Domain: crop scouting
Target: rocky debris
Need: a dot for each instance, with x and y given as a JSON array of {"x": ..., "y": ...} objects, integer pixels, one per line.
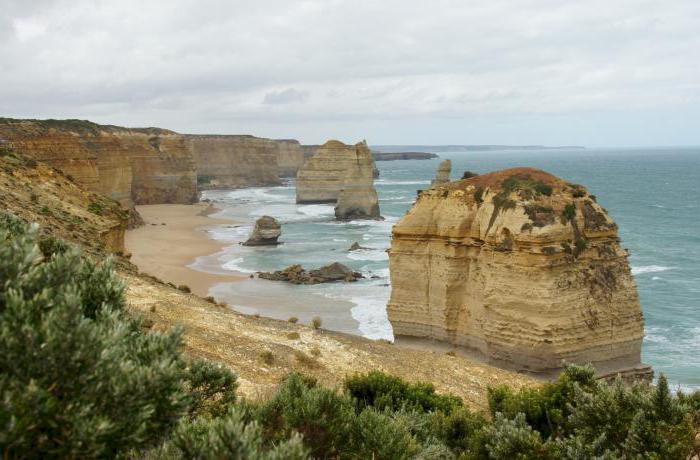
[
  {"x": 296, "y": 274},
  {"x": 520, "y": 265},
  {"x": 356, "y": 247},
  {"x": 266, "y": 232},
  {"x": 442, "y": 175},
  {"x": 333, "y": 167}
]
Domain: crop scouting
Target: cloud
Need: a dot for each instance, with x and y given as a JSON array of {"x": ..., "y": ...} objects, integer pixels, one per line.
[
  {"x": 287, "y": 96},
  {"x": 318, "y": 67}
]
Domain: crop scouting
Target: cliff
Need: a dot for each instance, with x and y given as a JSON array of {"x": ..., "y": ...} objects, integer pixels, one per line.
[
  {"x": 333, "y": 167},
  {"x": 393, "y": 156},
  {"x": 131, "y": 166},
  {"x": 290, "y": 157},
  {"x": 36, "y": 192},
  {"x": 521, "y": 266},
  {"x": 234, "y": 161}
]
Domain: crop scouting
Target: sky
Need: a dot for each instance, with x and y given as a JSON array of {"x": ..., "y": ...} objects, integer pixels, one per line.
[{"x": 553, "y": 72}]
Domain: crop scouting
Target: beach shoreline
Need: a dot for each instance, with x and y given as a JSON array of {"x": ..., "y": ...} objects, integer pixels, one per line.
[{"x": 173, "y": 236}]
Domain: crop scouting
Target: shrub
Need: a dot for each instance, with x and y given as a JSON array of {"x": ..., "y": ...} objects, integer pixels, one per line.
[
  {"x": 569, "y": 213},
  {"x": 385, "y": 392},
  {"x": 293, "y": 335},
  {"x": 211, "y": 388},
  {"x": 293, "y": 319},
  {"x": 210, "y": 299},
  {"x": 95, "y": 386},
  {"x": 95, "y": 208},
  {"x": 468, "y": 174},
  {"x": 315, "y": 352},
  {"x": 184, "y": 288},
  {"x": 304, "y": 359},
  {"x": 316, "y": 322},
  {"x": 230, "y": 437},
  {"x": 45, "y": 211},
  {"x": 267, "y": 357}
]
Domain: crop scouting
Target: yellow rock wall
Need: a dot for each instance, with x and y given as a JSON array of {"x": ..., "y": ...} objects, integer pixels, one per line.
[
  {"x": 529, "y": 279},
  {"x": 232, "y": 161}
]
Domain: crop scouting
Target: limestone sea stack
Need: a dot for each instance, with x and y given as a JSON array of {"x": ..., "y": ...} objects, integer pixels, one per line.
[
  {"x": 442, "y": 175},
  {"x": 266, "y": 232},
  {"x": 520, "y": 265},
  {"x": 333, "y": 167}
]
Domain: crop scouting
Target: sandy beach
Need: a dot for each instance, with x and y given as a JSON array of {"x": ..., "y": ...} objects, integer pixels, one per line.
[{"x": 173, "y": 236}]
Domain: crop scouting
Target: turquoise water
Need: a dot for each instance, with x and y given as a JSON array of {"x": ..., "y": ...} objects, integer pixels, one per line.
[{"x": 653, "y": 195}]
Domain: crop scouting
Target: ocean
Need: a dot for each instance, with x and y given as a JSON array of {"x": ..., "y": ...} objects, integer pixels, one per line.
[{"x": 653, "y": 195}]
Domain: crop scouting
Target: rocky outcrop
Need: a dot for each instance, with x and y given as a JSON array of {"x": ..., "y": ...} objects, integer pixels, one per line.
[
  {"x": 357, "y": 201},
  {"x": 296, "y": 274},
  {"x": 356, "y": 247},
  {"x": 290, "y": 157},
  {"x": 234, "y": 161},
  {"x": 131, "y": 166},
  {"x": 335, "y": 167},
  {"x": 393, "y": 156},
  {"x": 442, "y": 175},
  {"x": 266, "y": 232},
  {"x": 521, "y": 266}
]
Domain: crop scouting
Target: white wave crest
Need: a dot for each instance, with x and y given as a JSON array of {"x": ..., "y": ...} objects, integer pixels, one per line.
[
  {"x": 234, "y": 265},
  {"x": 649, "y": 269},
  {"x": 369, "y": 254}
]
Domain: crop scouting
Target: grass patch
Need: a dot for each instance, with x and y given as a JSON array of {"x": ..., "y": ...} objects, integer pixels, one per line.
[
  {"x": 293, "y": 336},
  {"x": 267, "y": 357}
]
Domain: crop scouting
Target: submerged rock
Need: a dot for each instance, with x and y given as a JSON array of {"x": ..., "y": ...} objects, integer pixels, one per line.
[
  {"x": 356, "y": 247},
  {"x": 296, "y": 274},
  {"x": 442, "y": 175},
  {"x": 266, "y": 232},
  {"x": 520, "y": 265}
]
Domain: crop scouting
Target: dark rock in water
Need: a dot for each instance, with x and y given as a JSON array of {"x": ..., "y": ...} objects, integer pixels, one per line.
[
  {"x": 266, "y": 232},
  {"x": 296, "y": 274},
  {"x": 356, "y": 247}
]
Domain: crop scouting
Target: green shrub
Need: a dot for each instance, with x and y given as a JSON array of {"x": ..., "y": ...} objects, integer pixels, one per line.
[
  {"x": 184, "y": 288},
  {"x": 569, "y": 213},
  {"x": 316, "y": 322},
  {"x": 231, "y": 436},
  {"x": 267, "y": 357},
  {"x": 469, "y": 175},
  {"x": 293, "y": 319},
  {"x": 95, "y": 208},
  {"x": 211, "y": 388},
  {"x": 293, "y": 335},
  {"x": 77, "y": 377},
  {"x": 386, "y": 392}
]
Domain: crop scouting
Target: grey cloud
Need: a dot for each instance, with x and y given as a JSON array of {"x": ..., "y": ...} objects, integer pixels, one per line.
[{"x": 287, "y": 96}]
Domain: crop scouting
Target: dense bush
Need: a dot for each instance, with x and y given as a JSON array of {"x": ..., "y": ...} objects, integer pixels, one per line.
[{"x": 383, "y": 392}]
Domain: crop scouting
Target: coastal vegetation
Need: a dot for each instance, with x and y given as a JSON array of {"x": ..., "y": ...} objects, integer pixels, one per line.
[{"x": 81, "y": 377}]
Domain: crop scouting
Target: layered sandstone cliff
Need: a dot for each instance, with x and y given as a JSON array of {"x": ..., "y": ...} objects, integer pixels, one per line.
[
  {"x": 521, "y": 266},
  {"x": 334, "y": 167},
  {"x": 131, "y": 166},
  {"x": 233, "y": 161},
  {"x": 290, "y": 157}
]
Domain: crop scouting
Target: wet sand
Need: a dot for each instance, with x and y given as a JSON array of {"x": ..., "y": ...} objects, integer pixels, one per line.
[{"x": 173, "y": 237}]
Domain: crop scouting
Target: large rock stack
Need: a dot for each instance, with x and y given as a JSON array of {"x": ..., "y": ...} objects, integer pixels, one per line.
[
  {"x": 442, "y": 175},
  {"x": 335, "y": 167},
  {"x": 520, "y": 265}
]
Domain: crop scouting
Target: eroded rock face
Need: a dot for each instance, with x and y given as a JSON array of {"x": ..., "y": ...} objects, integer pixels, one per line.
[
  {"x": 290, "y": 157},
  {"x": 335, "y": 167},
  {"x": 521, "y": 266},
  {"x": 131, "y": 166},
  {"x": 266, "y": 232},
  {"x": 442, "y": 175},
  {"x": 296, "y": 274},
  {"x": 234, "y": 161}
]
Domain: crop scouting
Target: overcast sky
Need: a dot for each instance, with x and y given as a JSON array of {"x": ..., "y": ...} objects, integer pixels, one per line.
[{"x": 586, "y": 72}]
